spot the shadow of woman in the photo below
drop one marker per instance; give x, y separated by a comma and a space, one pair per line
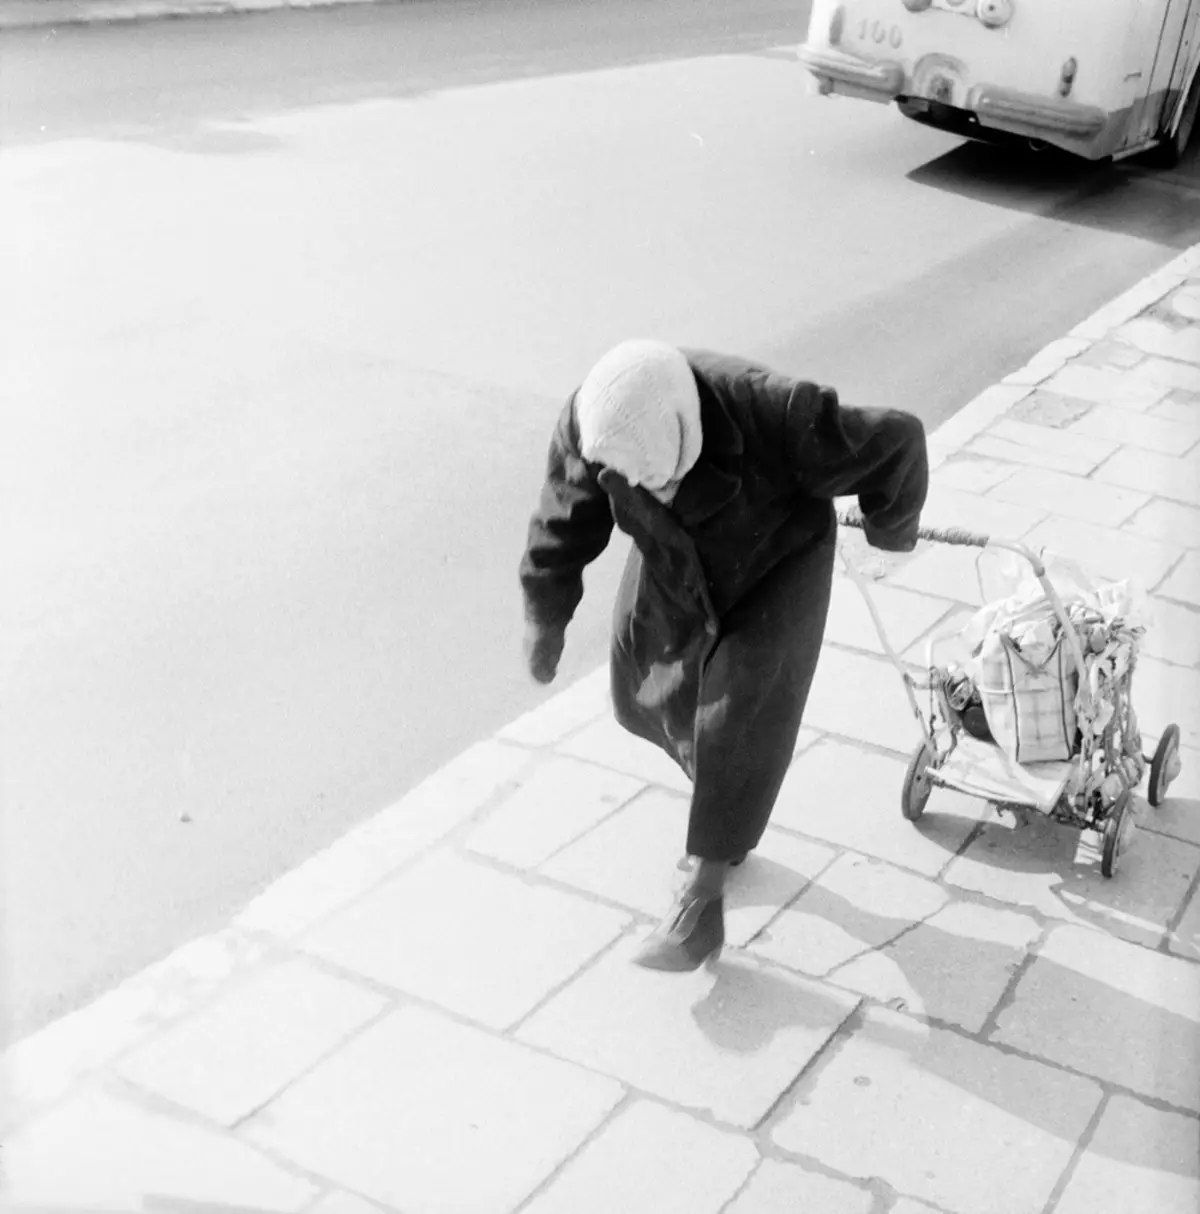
749, 1005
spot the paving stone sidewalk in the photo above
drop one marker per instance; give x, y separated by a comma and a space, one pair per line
437, 1015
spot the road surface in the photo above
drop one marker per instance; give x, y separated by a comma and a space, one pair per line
290, 304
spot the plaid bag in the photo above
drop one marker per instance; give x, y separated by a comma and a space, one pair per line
1029, 695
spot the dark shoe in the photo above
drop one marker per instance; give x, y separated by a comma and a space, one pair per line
693, 932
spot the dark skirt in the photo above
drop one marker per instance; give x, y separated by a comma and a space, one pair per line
727, 708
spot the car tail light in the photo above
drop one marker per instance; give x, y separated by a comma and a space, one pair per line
1067, 79
994, 13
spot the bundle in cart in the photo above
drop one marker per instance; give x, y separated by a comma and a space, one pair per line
1037, 711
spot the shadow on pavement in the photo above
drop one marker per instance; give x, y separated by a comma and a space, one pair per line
747, 1008
1085, 1002
1057, 870
1130, 198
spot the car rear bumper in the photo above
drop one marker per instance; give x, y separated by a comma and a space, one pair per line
1029, 114
881, 81
1051, 118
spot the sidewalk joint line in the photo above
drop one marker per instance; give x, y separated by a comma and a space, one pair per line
628, 1099
1081, 1145
846, 1029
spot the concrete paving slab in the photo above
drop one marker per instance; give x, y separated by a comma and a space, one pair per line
39, 1069
950, 646
946, 508
631, 857
1107, 553
1165, 694
1179, 814
1170, 476
1015, 454
943, 571
808, 944
1170, 371
422, 1113
1141, 1160
97, 1152
655, 1159
561, 800
1110, 1009
1184, 939
769, 880
973, 473
1044, 408
851, 798
1108, 353
234, 1055
367, 854
1186, 302
1147, 431
905, 614
1168, 523
954, 967
481, 943
728, 1040
1174, 634
1132, 303
1183, 584
606, 743
563, 713
939, 1117
1055, 870
973, 418
856, 904
862, 698
1178, 405
779, 1186
1047, 438
1104, 387
1071, 496
1163, 340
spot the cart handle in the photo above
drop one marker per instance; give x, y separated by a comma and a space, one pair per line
963, 538
959, 537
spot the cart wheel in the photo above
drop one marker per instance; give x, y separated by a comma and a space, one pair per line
1164, 767
917, 786
1118, 831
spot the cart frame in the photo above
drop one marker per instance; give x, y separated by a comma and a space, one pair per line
941, 726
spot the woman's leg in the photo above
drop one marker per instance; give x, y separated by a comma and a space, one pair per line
752, 698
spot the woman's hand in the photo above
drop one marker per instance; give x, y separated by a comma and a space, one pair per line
543, 649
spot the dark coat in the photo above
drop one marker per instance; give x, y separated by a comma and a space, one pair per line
721, 611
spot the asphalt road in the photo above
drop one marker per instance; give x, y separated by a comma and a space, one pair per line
289, 305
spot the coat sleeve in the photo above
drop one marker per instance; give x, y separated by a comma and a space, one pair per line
878, 455
569, 529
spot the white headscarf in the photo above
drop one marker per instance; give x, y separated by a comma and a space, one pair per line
638, 412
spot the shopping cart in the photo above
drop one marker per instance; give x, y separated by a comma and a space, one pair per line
1093, 789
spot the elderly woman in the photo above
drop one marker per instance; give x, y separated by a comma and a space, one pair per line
723, 473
